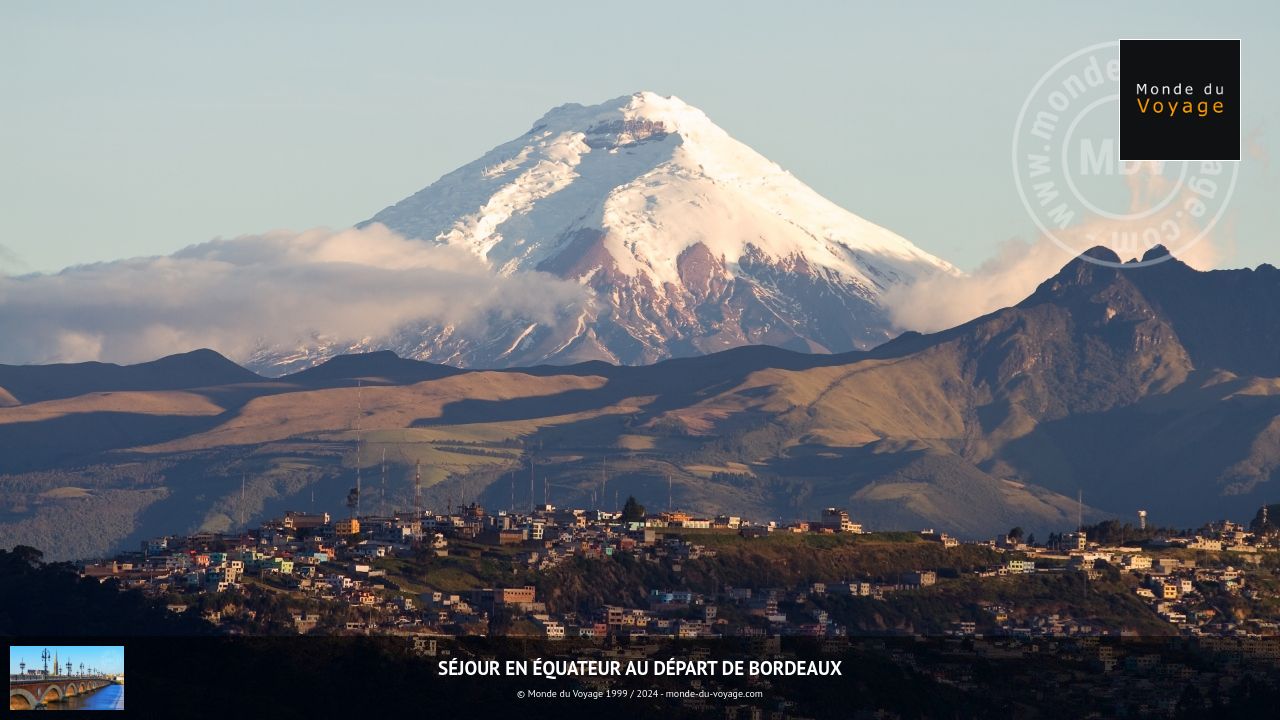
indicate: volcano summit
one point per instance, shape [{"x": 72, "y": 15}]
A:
[{"x": 686, "y": 242}]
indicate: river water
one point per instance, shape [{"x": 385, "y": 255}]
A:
[{"x": 110, "y": 697}]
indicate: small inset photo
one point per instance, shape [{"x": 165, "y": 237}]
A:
[{"x": 66, "y": 677}]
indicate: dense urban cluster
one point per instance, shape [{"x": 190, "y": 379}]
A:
[
  {"x": 357, "y": 575},
  {"x": 1198, "y": 583}
]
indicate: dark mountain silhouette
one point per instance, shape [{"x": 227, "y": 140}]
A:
[
  {"x": 1226, "y": 319},
  {"x": 195, "y": 369},
  {"x": 382, "y": 367}
]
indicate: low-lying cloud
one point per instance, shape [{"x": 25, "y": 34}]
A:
[
  {"x": 943, "y": 301},
  {"x": 280, "y": 289}
]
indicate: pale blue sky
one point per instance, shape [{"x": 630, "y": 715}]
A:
[
  {"x": 107, "y": 658},
  {"x": 134, "y": 128}
]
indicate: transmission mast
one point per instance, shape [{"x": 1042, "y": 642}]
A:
[
  {"x": 359, "y": 412},
  {"x": 417, "y": 489}
]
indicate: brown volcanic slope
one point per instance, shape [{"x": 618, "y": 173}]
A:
[
  {"x": 279, "y": 417},
  {"x": 142, "y": 402},
  {"x": 1088, "y": 385},
  {"x": 1151, "y": 388}
]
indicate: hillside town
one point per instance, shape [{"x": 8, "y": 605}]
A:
[{"x": 364, "y": 574}]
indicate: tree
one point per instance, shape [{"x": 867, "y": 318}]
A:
[
  {"x": 1031, "y": 539},
  {"x": 27, "y": 555},
  {"x": 1015, "y": 534},
  {"x": 1266, "y": 519},
  {"x": 632, "y": 511}
]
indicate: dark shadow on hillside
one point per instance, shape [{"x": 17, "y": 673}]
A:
[
  {"x": 71, "y": 439},
  {"x": 1157, "y": 455},
  {"x": 376, "y": 368},
  {"x": 199, "y": 368},
  {"x": 676, "y": 383}
]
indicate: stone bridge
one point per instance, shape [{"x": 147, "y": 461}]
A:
[{"x": 28, "y": 692}]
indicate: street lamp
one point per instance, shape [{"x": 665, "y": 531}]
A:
[
  {"x": 82, "y": 668},
  {"x": 22, "y": 668},
  {"x": 45, "y": 656}
]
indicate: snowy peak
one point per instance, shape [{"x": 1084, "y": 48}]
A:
[
  {"x": 629, "y": 119},
  {"x": 656, "y": 176},
  {"x": 686, "y": 240}
]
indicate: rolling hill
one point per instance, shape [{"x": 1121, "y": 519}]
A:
[{"x": 1153, "y": 388}]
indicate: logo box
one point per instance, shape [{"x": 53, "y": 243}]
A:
[{"x": 1179, "y": 99}]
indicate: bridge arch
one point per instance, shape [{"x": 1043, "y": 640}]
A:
[
  {"x": 20, "y": 699},
  {"x": 70, "y": 690},
  {"x": 52, "y": 694}
]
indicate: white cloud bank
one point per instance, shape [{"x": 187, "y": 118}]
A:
[
  {"x": 278, "y": 289},
  {"x": 944, "y": 301}
]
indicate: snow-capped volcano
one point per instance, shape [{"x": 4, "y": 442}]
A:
[{"x": 687, "y": 240}]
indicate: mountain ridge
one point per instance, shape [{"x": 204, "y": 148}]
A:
[
  {"x": 196, "y": 368},
  {"x": 1105, "y": 382},
  {"x": 686, "y": 241}
]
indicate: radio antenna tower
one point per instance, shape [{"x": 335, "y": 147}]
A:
[
  {"x": 382, "y": 499},
  {"x": 242, "y": 498},
  {"x": 359, "y": 413},
  {"x": 1079, "y": 509},
  {"x": 417, "y": 488}
]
